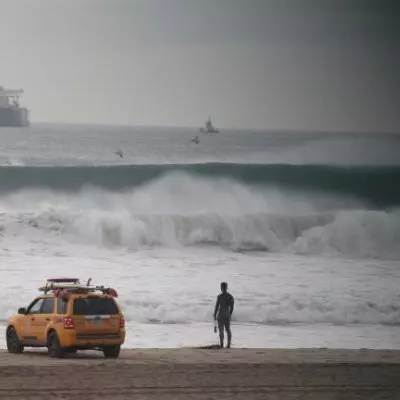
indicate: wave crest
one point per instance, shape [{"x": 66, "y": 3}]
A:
[{"x": 377, "y": 185}]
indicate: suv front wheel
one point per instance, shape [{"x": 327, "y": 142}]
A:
[
  {"x": 112, "y": 351},
  {"x": 13, "y": 343},
  {"x": 54, "y": 346}
]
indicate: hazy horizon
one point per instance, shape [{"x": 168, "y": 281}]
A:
[
  {"x": 273, "y": 64},
  {"x": 221, "y": 128}
]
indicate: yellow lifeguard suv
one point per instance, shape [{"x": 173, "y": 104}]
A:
[{"x": 67, "y": 317}]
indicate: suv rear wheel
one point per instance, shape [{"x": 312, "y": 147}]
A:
[
  {"x": 112, "y": 351},
  {"x": 13, "y": 343},
  {"x": 54, "y": 346}
]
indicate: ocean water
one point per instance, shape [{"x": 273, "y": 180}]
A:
[{"x": 304, "y": 227}]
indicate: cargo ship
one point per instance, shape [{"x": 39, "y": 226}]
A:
[{"x": 11, "y": 113}]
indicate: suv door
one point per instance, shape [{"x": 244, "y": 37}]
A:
[
  {"x": 44, "y": 318},
  {"x": 30, "y": 329}
]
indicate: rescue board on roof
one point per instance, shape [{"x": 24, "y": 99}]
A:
[{"x": 73, "y": 285}]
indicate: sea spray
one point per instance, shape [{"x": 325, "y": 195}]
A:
[{"x": 176, "y": 211}]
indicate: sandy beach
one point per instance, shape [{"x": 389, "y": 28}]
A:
[{"x": 204, "y": 374}]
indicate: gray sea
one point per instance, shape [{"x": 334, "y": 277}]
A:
[{"x": 304, "y": 227}]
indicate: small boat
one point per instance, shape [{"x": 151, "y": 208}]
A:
[{"x": 209, "y": 127}]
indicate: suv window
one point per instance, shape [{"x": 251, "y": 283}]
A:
[
  {"x": 48, "y": 306},
  {"x": 61, "y": 306},
  {"x": 95, "y": 306},
  {"x": 35, "y": 306}
]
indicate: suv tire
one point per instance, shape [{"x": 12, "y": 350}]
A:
[
  {"x": 14, "y": 345},
  {"x": 54, "y": 346},
  {"x": 112, "y": 351}
]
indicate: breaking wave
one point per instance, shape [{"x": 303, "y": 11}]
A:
[
  {"x": 179, "y": 211},
  {"x": 377, "y": 185}
]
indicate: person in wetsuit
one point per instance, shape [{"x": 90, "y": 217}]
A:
[{"x": 223, "y": 312}]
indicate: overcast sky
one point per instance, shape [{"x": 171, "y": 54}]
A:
[{"x": 312, "y": 64}]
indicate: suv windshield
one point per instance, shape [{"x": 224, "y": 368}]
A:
[{"x": 95, "y": 306}]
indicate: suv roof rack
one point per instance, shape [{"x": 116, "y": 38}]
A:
[
  {"x": 61, "y": 286},
  {"x": 63, "y": 280}
]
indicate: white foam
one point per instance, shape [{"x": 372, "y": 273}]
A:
[
  {"x": 176, "y": 211},
  {"x": 170, "y": 287}
]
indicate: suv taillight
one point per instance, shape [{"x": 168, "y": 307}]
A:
[
  {"x": 68, "y": 323},
  {"x": 122, "y": 322}
]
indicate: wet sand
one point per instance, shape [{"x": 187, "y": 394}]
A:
[{"x": 204, "y": 374}]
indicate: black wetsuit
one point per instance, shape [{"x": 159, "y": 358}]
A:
[{"x": 222, "y": 313}]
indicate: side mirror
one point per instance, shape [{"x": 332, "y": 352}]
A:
[{"x": 22, "y": 310}]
